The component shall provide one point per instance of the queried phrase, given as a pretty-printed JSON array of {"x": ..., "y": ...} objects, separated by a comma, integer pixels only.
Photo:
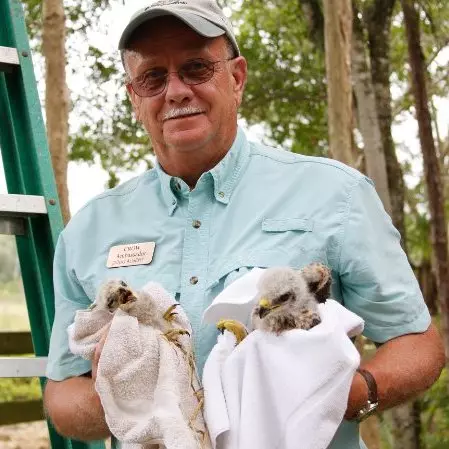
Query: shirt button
[
  {"x": 221, "y": 194},
  {"x": 194, "y": 280},
  {"x": 196, "y": 224},
  {"x": 173, "y": 202}
]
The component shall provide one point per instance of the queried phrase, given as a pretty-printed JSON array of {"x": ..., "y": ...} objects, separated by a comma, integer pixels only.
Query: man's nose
[{"x": 177, "y": 90}]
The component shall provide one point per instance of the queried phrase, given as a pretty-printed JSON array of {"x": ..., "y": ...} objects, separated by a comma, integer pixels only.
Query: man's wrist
[
  {"x": 373, "y": 398},
  {"x": 358, "y": 396}
]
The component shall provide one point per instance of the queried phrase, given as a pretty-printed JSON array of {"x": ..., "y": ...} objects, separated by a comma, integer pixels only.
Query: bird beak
[
  {"x": 128, "y": 298},
  {"x": 264, "y": 307},
  {"x": 263, "y": 312}
]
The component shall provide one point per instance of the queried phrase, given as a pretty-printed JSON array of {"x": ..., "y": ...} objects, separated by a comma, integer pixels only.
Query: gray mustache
[{"x": 187, "y": 110}]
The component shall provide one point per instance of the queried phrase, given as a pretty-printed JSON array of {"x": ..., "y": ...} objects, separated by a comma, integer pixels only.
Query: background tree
[
  {"x": 431, "y": 162},
  {"x": 337, "y": 42},
  {"x": 56, "y": 96}
]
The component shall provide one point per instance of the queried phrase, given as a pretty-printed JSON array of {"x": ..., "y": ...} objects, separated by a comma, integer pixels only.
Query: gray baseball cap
[{"x": 203, "y": 16}]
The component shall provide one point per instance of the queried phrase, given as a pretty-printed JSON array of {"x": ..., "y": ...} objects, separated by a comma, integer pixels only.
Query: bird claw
[
  {"x": 237, "y": 328},
  {"x": 173, "y": 334},
  {"x": 170, "y": 315}
]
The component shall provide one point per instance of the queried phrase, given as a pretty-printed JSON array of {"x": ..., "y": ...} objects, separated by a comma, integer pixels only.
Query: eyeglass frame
[{"x": 181, "y": 78}]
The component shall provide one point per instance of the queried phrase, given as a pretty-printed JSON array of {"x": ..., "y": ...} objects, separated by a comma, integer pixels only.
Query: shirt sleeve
[
  {"x": 377, "y": 281},
  {"x": 69, "y": 297}
]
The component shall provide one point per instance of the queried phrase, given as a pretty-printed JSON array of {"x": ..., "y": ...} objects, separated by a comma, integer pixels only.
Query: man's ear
[
  {"x": 240, "y": 74},
  {"x": 319, "y": 280}
]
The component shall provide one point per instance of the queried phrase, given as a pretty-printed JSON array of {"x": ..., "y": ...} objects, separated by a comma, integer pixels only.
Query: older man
[{"x": 217, "y": 205}]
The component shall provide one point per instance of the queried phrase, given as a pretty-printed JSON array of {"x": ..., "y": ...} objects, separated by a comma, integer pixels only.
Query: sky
[{"x": 86, "y": 181}]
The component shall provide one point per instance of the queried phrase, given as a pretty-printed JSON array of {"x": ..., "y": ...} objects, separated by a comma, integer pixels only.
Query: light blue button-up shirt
[{"x": 259, "y": 207}]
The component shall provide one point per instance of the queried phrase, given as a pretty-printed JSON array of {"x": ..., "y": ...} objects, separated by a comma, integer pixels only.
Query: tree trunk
[
  {"x": 427, "y": 284},
  {"x": 337, "y": 34},
  {"x": 377, "y": 17},
  {"x": 56, "y": 95},
  {"x": 368, "y": 122},
  {"x": 431, "y": 163},
  {"x": 407, "y": 425},
  {"x": 370, "y": 432}
]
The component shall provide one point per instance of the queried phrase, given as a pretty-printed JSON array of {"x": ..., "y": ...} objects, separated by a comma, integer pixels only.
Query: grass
[{"x": 14, "y": 317}]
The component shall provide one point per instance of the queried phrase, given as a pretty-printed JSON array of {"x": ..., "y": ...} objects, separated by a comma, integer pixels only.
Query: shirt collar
[
  {"x": 225, "y": 175},
  {"x": 228, "y": 171}
]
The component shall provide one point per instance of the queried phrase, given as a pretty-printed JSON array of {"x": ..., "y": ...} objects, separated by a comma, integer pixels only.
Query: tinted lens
[
  {"x": 150, "y": 83},
  {"x": 196, "y": 71},
  {"x": 153, "y": 81}
]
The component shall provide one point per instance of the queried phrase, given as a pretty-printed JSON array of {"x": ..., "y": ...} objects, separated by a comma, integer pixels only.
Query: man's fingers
[{"x": 98, "y": 350}]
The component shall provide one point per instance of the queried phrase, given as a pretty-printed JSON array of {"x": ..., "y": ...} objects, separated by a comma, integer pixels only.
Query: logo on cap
[{"x": 165, "y": 3}]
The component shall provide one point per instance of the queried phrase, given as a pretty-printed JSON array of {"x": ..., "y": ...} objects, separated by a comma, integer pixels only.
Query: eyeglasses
[{"x": 193, "y": 72}]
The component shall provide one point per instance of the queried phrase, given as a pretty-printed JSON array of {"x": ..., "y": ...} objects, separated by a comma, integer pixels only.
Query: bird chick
[
  {"x": 288, "y": 298},
  {"x": 116, "y": 294}
]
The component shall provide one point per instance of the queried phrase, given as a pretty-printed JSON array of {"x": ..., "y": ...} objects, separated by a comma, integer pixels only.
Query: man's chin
[{"x": 187, "y": 140}]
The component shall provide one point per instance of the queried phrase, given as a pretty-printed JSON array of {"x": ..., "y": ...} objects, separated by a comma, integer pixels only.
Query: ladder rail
[{"x": 28, "y": 171}]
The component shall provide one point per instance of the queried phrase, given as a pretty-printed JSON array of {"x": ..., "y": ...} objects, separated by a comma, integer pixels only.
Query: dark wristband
[{"x": 372, "y": 385}]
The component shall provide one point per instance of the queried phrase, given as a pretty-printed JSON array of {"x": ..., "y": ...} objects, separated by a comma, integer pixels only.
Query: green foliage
[
  {"x": 435, "y": 415},
  {"x": 102, "y": 127},
  {"x": 23, "y": 389},
  {"x": 434, "y": 38},
  {"x": 108, "y": 132},
  {"x": 417, "y": 224},
  {"x": 286, "y": 88}
]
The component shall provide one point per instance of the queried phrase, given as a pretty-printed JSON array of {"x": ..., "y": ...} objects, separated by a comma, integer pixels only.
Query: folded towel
[
  {"x": 147, "y": 383},
  {"x": 282, "y": 392}
]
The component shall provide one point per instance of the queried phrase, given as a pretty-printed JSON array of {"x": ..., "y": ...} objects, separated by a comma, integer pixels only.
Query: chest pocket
[
  {"x": 283, "y": 242},
  {"x": 287, "y": 224},
  {"x": 291, "y": 234}
]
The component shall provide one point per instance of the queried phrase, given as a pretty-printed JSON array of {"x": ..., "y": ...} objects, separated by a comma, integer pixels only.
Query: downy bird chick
[
  {"x": 116, "y": 294},
  {"x": 288, "y": 298}
]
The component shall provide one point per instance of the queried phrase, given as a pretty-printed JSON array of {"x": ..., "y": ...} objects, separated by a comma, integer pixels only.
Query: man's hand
[
  {"x": 97, "y": 354},
  {"x": 74, "y": 406},
  {"x": 403, "y": 367}
]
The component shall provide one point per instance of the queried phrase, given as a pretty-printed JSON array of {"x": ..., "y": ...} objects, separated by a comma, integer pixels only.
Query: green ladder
[{"x": 30, "y": 210}]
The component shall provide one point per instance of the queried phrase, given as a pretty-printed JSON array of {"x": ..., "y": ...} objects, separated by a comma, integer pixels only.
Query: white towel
[
  {"x": 145, "y": 383},
  {"x": 280, "y": 392}
]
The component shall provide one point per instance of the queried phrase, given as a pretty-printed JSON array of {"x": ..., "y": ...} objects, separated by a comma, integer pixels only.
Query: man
[{"x": 215, "y": 206}]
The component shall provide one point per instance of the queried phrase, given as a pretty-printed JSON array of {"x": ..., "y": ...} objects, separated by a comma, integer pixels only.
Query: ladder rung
[
  {"x": 22, "y": 205},
  {"x": 8, "y": 58},
  {"x": 23, "y": 366}
]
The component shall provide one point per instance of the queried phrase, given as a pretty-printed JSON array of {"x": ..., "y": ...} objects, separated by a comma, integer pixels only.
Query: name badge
[{"x": 130, "y": 254}]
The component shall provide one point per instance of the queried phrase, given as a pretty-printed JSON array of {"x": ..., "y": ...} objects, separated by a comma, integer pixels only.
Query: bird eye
[
  {"x": 110, "y": 302},
  {"x": 123, "y": 284},
  {"x": 285, "y": 297}
]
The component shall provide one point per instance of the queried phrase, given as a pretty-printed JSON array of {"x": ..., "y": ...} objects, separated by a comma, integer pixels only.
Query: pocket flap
[{"x": 287, "y": 224}]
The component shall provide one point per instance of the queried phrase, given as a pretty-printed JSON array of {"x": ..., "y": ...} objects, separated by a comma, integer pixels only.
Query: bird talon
[
  {"x": 173, "y": 334},
  {"x": 170, "y": 315},
  {"x": 237, "y": 328}
]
